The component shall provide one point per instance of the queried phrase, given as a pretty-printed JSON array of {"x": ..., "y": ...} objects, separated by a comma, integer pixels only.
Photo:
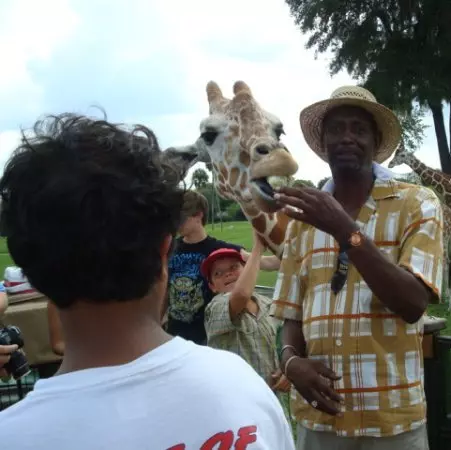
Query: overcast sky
[{"x": 148, "y": 61}]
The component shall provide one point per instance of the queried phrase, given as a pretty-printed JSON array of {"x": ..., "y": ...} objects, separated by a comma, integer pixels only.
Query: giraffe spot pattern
[
  {"x": 245, "y": 158},
  {"x": 259, "y": 223},
  {"x": 234, "y": 176}
]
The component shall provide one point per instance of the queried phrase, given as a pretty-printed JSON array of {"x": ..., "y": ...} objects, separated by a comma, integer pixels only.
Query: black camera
[{"x": 17, "y": 366}]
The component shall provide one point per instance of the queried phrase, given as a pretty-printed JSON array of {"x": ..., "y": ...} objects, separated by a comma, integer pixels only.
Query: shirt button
[{"x": 338, "y": 343}]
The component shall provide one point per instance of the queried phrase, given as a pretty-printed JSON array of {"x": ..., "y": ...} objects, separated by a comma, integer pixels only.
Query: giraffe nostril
[{"x": 262, "y": 149}]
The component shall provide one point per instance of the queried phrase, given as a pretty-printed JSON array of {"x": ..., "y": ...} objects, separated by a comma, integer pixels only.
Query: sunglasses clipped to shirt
[{"x": 341, "y": 273}]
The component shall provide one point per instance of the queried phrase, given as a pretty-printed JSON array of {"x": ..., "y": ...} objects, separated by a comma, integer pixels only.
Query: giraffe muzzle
[{"x": 268, "y": 171}]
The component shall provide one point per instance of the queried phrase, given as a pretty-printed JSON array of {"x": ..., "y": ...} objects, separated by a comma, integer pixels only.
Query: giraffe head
[
  {"x": 242, "y": 143},
  {"x": 402, "y": 156}
]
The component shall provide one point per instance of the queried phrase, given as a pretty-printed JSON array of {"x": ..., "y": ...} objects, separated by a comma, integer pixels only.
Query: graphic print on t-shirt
[
  {"x": 227, "y": 440},
  {"x": 186, "y": 287}
]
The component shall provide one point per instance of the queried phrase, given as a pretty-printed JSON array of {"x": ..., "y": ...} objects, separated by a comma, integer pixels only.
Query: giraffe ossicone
[{"x": 242, "y": 142}]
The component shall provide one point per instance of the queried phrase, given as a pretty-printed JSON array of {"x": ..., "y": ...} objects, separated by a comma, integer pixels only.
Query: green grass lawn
[
  {"x": 240, "y": 233},
  {"x": 5, "y": 259}
]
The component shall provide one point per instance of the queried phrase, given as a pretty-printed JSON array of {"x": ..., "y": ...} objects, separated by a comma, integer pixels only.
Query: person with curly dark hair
[{"x": 89, "y": 211}]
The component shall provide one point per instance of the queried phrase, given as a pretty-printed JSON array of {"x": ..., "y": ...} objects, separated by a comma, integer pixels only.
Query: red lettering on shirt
[
  {"x": 225, "y": 439},
  {"x": 246, "y": 436}
]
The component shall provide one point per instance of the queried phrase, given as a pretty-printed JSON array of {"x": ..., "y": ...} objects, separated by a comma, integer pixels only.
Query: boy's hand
[
  {"x": 279, "y": 382},
  {"x": 258, "y": 242}
]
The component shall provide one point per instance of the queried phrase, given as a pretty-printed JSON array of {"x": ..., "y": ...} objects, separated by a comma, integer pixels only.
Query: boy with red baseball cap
[{"x": 237, "y": 319}]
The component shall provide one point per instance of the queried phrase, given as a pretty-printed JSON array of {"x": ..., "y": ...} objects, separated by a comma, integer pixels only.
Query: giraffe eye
[{"x": 209, "y": 136}]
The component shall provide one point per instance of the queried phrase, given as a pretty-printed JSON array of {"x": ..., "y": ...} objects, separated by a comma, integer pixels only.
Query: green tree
[
  {"x": 200, "y": 178},
  {"x": 399, "y": 49},
  {"x": 413, "y": 128},
  {"x": 216, "y": 203},
  {"x": 306, "y": 183}
]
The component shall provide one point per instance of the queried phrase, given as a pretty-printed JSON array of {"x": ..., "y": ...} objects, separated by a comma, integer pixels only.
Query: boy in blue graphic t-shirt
[{"x": 188, "y": 292}]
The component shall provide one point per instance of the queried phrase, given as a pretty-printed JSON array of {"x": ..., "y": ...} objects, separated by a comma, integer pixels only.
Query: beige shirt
[
  {"x": 251, "y": 337},
  {"x": 377, "y": 353}
]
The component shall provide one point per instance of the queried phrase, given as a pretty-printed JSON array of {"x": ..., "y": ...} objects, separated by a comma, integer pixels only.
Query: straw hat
[{"x": 311, "y": 119}]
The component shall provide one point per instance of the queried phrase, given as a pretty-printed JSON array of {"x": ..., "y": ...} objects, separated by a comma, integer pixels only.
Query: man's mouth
[{"x": 348, "y": 152}]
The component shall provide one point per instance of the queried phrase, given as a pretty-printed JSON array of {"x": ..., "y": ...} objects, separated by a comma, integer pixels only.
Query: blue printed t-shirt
[{"x": 188, "y": 291}]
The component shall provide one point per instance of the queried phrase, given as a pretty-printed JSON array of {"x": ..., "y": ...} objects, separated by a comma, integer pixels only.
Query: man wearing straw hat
[{"x": 362, "y": 260}]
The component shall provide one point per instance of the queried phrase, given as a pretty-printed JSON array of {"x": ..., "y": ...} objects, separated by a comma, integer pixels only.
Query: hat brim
[
  {"x": 208, "y": 262},
  {"x": 311, "y": 119}
]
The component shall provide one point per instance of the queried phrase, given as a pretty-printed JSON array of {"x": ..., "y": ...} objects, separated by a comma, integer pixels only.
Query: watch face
[{"x": 356, "y": 239}]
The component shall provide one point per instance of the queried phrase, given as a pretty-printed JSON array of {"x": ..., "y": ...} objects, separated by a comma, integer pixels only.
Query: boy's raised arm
[{"x": 245, "y": 284}]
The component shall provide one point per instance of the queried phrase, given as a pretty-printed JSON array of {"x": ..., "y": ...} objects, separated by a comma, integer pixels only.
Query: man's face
[
  {"x": 350, "y": 138},
  {"x": 224, "y": 274}
]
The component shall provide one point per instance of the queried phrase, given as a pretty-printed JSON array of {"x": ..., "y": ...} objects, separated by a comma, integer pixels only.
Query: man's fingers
[
  {"x": 327, "y": 372},
  {"x": 8, "y": 349},
  {"x": 323, "y": 404},
  {"x": 294, "y": 215},
  {"x": 297, "y": 202},
  {"x": 329, "y": 392},
  {"x": 299, "y": 192}
]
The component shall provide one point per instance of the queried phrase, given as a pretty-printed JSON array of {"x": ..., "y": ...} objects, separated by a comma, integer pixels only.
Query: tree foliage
[
  {"x": 200, "y": 178},
  {"x": 306, "y": 183},
  {"x": 398, "y": 49},
  {"x": 413, "y": 128}
]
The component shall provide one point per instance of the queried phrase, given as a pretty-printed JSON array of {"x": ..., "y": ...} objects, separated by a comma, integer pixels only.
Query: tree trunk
[
  {"x": 449, "y": 125},
  {"x": 442, "y": 140}
]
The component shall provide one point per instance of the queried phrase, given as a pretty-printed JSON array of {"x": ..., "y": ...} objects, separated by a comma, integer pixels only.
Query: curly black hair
[{"x": 86, "y": 205}]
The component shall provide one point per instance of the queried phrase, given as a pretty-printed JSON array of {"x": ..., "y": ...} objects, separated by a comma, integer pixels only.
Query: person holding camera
[
  {"x": 5, "y": 356},
  {"x": 90, "y": 211},
  {"x": 5, "y": 350}
]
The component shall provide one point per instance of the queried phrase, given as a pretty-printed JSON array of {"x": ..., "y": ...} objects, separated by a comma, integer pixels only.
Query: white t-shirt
[{"x": 180, "y": 396}]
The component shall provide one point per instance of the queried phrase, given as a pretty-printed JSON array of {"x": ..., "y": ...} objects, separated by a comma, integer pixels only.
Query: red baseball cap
[{"x": 205, "y": 267}]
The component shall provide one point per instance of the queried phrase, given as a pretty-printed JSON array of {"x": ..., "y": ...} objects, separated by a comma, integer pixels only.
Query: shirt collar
[{"x": 385, "y": 185}]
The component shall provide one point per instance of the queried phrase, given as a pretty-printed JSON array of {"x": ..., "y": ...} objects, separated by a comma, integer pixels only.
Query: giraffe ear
[
  {"x": 241, "y": 86},
  {"x": 214, "y": 93}
]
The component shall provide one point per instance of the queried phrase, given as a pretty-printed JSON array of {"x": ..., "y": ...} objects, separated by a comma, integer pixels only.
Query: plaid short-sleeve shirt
[
  {"x": 377, "y": 353},
  {"x": 251, "y": 337}
]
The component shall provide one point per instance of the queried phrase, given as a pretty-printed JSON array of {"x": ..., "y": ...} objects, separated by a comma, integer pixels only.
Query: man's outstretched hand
[{"x": 317, "y": 208}]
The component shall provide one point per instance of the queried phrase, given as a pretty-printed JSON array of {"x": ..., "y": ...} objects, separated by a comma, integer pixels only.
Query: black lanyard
[{"x": 341, "y": 273}]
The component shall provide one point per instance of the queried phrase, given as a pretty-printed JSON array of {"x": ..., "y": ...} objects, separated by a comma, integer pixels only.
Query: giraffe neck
[
  {"x": 271, "y": 227},
  {"x": 431, "y": 177},
  {"x": 232, "y": 183}
]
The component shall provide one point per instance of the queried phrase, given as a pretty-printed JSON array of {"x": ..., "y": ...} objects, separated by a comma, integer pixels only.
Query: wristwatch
[{"x": 355, "y": 240}]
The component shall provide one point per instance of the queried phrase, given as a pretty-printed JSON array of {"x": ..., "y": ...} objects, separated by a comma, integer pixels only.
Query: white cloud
[{"x": 149, "y": 62}]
